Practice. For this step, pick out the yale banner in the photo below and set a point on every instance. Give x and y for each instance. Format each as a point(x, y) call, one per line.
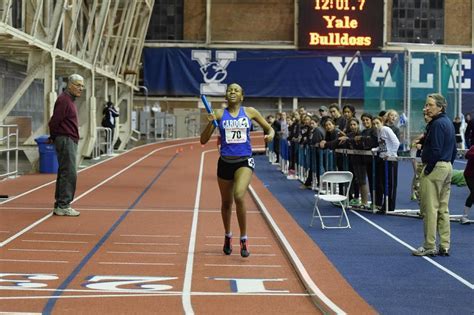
point(290, 73)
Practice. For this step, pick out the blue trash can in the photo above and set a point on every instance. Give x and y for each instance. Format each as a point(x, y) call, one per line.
point(48, 160)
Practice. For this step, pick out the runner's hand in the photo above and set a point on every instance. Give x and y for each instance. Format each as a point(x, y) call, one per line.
point(268, 138)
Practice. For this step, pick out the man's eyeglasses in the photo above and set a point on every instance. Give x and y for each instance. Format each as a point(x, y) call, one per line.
point(81, 86)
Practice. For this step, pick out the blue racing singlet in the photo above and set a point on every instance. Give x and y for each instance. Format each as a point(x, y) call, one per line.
point(235, 140)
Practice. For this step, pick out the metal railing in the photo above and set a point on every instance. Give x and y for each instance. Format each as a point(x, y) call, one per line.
point(151, 130)
point(192, 127)
point(103, 141)
point(9, 145)
point(135, 135)
point(158, 128)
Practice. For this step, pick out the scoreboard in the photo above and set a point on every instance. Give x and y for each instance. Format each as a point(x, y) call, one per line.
point(340, 24)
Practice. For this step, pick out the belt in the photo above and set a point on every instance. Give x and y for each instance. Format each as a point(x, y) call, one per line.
point(438, 161)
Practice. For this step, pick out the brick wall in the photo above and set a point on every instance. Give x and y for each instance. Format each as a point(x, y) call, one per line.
point(242, 20)
point(458, 22)
point(272, 20)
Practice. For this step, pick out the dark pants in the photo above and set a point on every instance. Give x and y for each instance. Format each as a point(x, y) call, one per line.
point(276, 148)
point(293, 154)
point(314, 166)
point(391, 181)
point(370, 174)
point(112, 137)
point(66, 149)
point(470, 185)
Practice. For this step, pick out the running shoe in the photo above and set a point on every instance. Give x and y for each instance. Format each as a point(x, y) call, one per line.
point(465, 220)
point(227, 245)
point(443, 251)
point(244, 252)
point(355, 202)
point(421, 251)
point(70, 212)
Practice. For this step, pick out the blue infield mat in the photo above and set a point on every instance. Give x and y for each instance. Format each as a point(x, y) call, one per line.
point(375, 256)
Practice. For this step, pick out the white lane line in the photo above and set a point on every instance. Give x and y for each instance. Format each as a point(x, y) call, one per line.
point(84, 193)
point(102, 209)
point(61, 242)
point(243, 266)
point(16, 208)
point(134, 263)
point(154, 294)
point(430, 260)
point(36, 261)
point(123, 210)
point(18, 313)
point(188, 275)
point(141, 253)
point(253, 255)
point(147, 244)
point(61, 233)
point(136, 235)
point(44, 250)
point(101, 162)
point(11, 238)
point(122, 171)
point(319, 296)
point(137, 210)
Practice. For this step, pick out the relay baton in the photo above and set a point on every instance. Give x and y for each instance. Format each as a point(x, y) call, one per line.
point(208, 108)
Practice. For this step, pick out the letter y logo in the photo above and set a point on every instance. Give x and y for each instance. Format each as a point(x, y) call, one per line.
point(213, 72)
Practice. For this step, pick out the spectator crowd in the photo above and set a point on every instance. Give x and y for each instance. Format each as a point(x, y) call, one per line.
point(307, 144)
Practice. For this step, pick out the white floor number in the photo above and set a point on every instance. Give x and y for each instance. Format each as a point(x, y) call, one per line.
point(128, 283)
point(19, 281)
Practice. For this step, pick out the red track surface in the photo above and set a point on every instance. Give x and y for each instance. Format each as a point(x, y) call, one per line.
point(148, 216)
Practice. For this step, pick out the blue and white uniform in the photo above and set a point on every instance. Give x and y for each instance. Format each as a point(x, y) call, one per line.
point(235, 132)
point(236, 149)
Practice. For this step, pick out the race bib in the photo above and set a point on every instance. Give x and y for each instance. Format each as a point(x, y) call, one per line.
point(236, 135)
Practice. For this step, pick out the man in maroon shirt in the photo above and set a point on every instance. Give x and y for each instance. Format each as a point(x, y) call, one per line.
point(64, 131)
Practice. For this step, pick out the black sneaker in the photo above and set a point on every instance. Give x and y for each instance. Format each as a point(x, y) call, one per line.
point(244, 252)
point(227, 245)
point(443, 252)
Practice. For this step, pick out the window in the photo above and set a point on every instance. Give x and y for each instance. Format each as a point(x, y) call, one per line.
point(418, 21)
point(166, 21)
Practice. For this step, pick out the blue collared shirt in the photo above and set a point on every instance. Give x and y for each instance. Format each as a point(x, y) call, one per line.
point(440, 142)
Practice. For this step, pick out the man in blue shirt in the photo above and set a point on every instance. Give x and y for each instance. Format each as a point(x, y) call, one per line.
point(439, 152)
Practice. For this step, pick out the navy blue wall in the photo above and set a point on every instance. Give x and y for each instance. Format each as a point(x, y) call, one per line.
point(289, 73)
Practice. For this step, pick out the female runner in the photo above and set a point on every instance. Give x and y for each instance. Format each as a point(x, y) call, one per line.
point(235, 165)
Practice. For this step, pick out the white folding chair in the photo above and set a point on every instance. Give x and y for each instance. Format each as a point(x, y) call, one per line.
point(328, 191)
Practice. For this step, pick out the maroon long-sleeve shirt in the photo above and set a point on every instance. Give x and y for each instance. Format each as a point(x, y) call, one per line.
point(64, 121)
point(469, 170)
